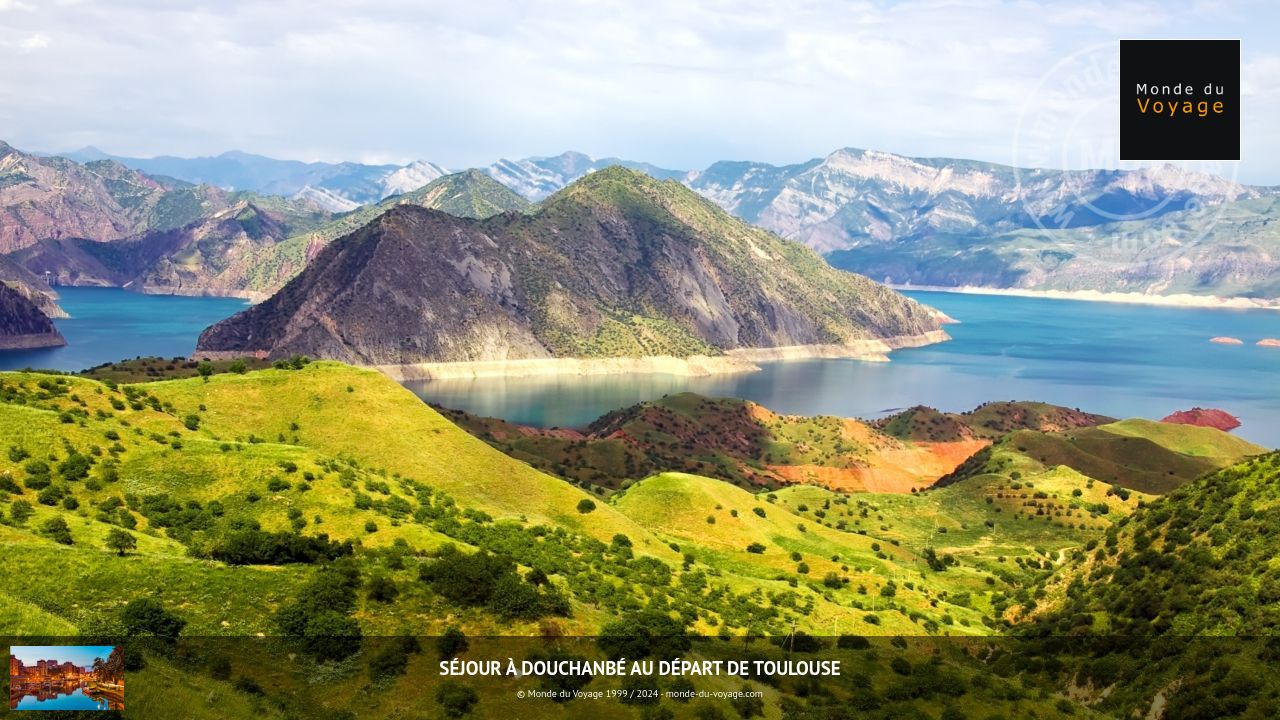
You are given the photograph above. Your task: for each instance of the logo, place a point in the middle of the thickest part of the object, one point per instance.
(1180, 99)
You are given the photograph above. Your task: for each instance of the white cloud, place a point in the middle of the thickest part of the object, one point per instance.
(676, 82)
(38, 41)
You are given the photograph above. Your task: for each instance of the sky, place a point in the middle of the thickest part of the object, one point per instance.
(82, 655)
(679, 83)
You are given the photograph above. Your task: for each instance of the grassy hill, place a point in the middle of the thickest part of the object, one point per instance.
(988, 421)
(734, 440)
(1142, 455)
(249, 495)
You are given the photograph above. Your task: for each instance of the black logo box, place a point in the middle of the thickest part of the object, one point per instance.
(1186, 69)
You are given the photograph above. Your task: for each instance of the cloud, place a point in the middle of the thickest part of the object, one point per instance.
(675, 82)
(37, 41)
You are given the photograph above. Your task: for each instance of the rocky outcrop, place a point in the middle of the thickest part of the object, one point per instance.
(615, 265)
(1204, 417)
(22, 325)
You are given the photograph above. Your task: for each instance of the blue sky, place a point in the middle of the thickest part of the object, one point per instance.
(680, 83)
(82, 655)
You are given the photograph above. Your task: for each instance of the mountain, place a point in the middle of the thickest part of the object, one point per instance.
(340, 187)
(737, 441)
(538, 177)
(343, 183)
(227, 252)
(52, 197)
(946, 222)
(23, 325)
(616, 265)
(250, 248)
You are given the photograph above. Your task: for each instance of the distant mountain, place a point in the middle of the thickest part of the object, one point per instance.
(343, 185)
(615, 265)
(537, 177)
(946, 222)
(231, 252)
(22, 324)
(51, 197)
(340, 187)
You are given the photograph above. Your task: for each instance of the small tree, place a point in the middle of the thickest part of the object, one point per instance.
(21, 511)
(586, 505)
(57, 530)
(121, 541)
(205, 369)
(238, 366)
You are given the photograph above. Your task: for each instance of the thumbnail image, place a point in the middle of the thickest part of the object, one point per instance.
(66, 677)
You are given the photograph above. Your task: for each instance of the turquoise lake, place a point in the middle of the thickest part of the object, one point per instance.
(1114, 359)
(109, 324)
(1122, 360)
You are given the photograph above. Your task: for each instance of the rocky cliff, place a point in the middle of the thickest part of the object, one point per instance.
(22, 324)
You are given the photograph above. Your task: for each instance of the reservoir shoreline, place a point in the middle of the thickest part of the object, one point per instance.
(742, 360)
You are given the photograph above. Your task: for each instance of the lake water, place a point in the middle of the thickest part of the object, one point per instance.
(1122, 360)
(109, 324)
(74, 700)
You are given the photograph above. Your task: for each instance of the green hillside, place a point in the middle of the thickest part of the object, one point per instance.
(1141, 455)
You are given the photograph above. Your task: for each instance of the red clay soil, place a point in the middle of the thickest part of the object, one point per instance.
(1204, 417)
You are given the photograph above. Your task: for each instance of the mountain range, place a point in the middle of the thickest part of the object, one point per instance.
(615, 265)
(257, 222)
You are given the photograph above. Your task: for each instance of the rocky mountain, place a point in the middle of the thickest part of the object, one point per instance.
(950, 223)
(615, 265)
(22, 324)
(229, 252)
(52, 197)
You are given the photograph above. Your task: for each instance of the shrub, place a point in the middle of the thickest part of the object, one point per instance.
(586, 505)
(452, 642)
(56, 529)
(330, 635)
(256, 547)
(144, 616)
(382, 589)
(756, 548)
(455, 699)
(646, 633)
